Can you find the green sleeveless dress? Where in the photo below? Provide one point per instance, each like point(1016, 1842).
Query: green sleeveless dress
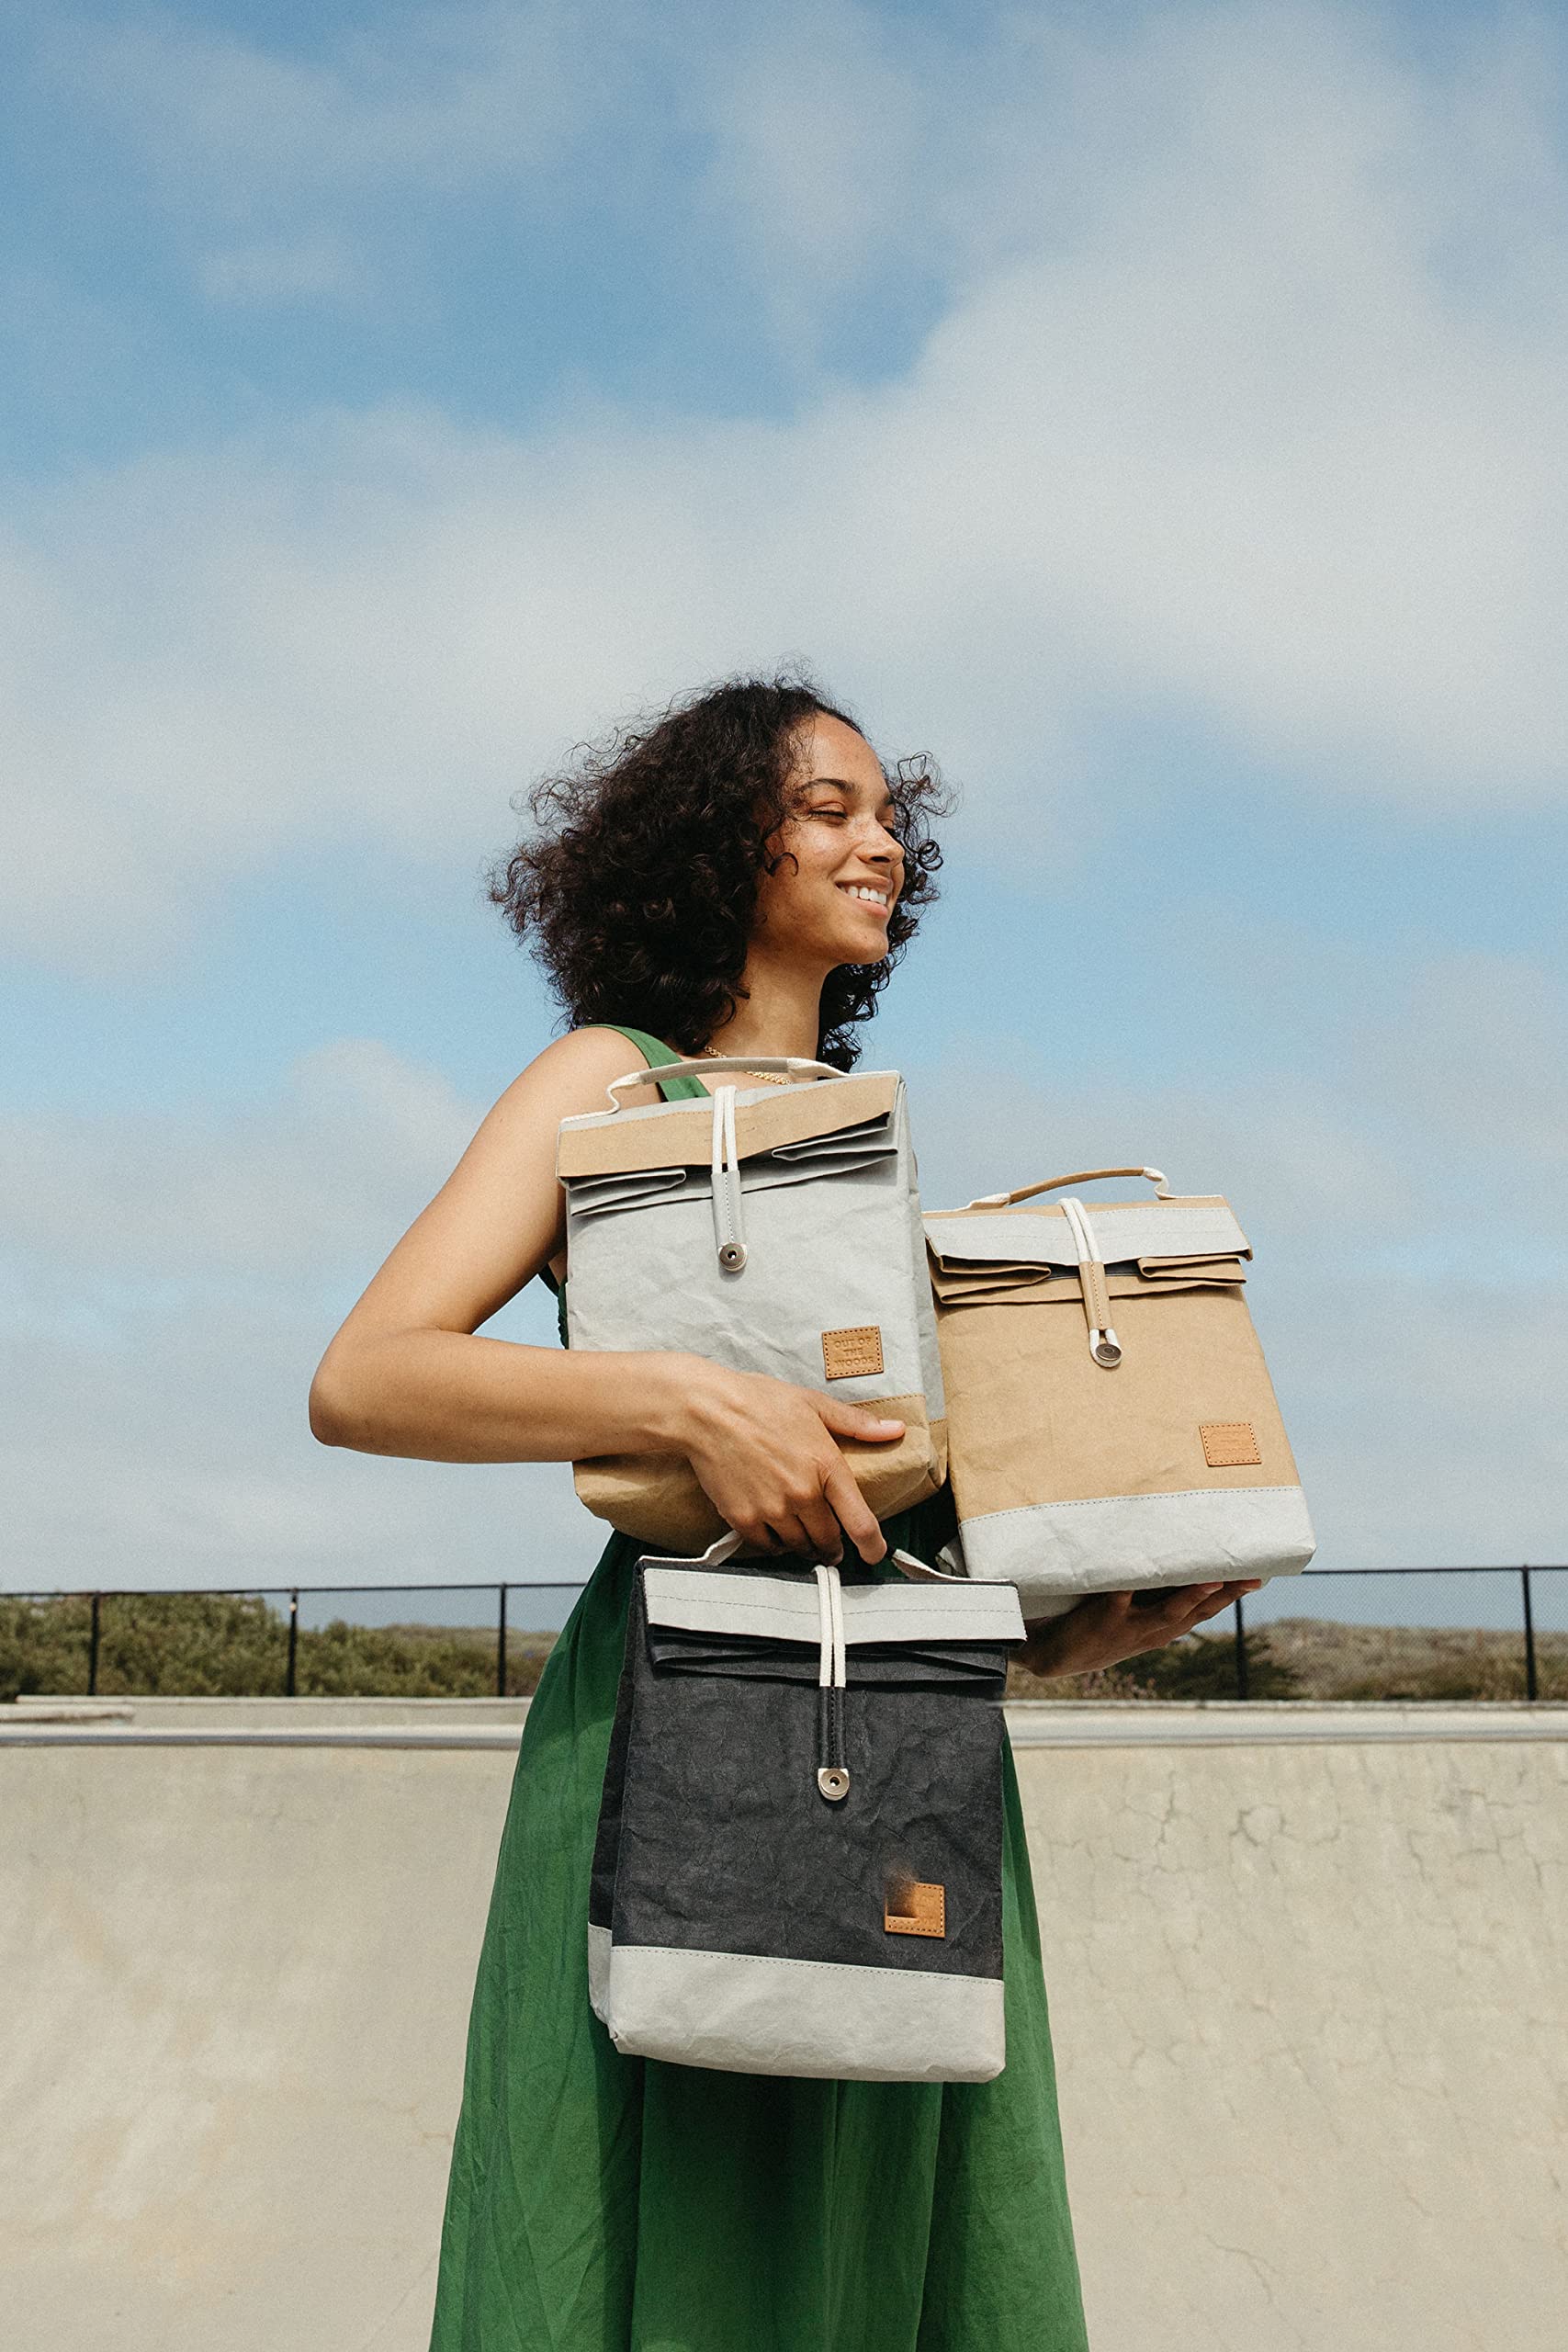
point(606, 2204)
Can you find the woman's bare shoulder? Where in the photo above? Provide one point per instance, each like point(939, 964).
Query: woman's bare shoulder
point(571, 1076)
point(497, 1219)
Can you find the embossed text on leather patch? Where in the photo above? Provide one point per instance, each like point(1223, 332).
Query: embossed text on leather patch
point(915, 1909)
point(853, 1354)
point(1229, 1446)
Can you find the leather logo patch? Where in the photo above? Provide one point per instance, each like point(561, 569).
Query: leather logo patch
point(853, 1355)
point(915, 1909)
point(1229, 1446)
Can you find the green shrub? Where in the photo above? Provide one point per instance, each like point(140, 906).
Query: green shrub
point(1200, 1667)
point(43, 1645)
point(198, 1645)
point(1204, 1667)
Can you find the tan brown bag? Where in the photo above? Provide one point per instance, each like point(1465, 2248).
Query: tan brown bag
point(1111, 1424)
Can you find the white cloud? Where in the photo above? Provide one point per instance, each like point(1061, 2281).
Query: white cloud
point(839, 142)
point(1474, 1058)
point(176, 1280)
point(1227, 434)
point(1240, 406)
point(440, 97)
point(172, 1283)
point(178, 1453)
point(1417, 1410)
point(296, 1189)
point(296, 270)
point(1409, 1222)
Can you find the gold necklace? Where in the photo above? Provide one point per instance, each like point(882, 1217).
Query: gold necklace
point(762, 1076)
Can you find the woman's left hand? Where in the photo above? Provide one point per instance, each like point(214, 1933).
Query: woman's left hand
point(1111, 1626)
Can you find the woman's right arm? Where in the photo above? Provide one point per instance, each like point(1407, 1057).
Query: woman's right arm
point(407, 1373)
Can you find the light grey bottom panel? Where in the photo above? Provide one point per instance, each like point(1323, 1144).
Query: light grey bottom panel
point(747, 2013)
point(599, 1971)
point(1056, 1553)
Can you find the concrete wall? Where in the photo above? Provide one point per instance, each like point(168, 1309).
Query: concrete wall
point(235, 1982)
point(1311, 2010)
point(1310, 1996)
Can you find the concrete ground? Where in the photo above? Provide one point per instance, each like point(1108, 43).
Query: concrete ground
point(1308, 1967)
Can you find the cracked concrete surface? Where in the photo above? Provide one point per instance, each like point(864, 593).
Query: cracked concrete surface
point(1309, 2003)
point(236, 1988)
point(1310, 2014)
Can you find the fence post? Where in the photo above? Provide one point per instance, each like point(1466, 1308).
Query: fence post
point(93, 1650)
point(1531, 1686)
point(500, 1644)
point(291, 1678)
point(1242, 1691)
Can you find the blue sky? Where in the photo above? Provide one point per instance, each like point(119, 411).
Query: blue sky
point(1155, 414)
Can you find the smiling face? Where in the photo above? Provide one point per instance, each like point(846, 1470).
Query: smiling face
point(838, 865)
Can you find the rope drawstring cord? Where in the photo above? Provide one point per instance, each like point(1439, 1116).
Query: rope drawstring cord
point(725, 1158)
point(832, 1675)
point(1103, 1344)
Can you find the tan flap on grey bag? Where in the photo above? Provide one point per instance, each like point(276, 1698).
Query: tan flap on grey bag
point(773, 1230)
point(680, 1134)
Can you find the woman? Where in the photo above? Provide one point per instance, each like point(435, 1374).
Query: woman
point(737, 877)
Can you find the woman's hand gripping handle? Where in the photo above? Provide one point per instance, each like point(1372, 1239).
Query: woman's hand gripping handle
point(764, 1454)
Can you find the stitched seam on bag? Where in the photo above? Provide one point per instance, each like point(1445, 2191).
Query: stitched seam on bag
point(782, 1959)
point(799, 1617)
point(927, 1919)
point(1230, 1445)
point(935, 1608)
point(958, 1611)
point(853, 1352)
point(1103, 1502)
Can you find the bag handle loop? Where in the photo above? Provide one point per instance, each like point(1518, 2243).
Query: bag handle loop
point(1054, 1184)
point(725, 1546)
point(918, 1572)
point(705, 1065)
point(1103, 1344)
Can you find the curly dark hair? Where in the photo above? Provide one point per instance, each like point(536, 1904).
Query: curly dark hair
point(637, 890)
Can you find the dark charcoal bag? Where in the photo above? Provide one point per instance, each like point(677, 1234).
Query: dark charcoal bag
point(798, 1866)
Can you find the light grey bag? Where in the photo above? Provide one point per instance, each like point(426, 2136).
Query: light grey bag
point(773, 1229)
